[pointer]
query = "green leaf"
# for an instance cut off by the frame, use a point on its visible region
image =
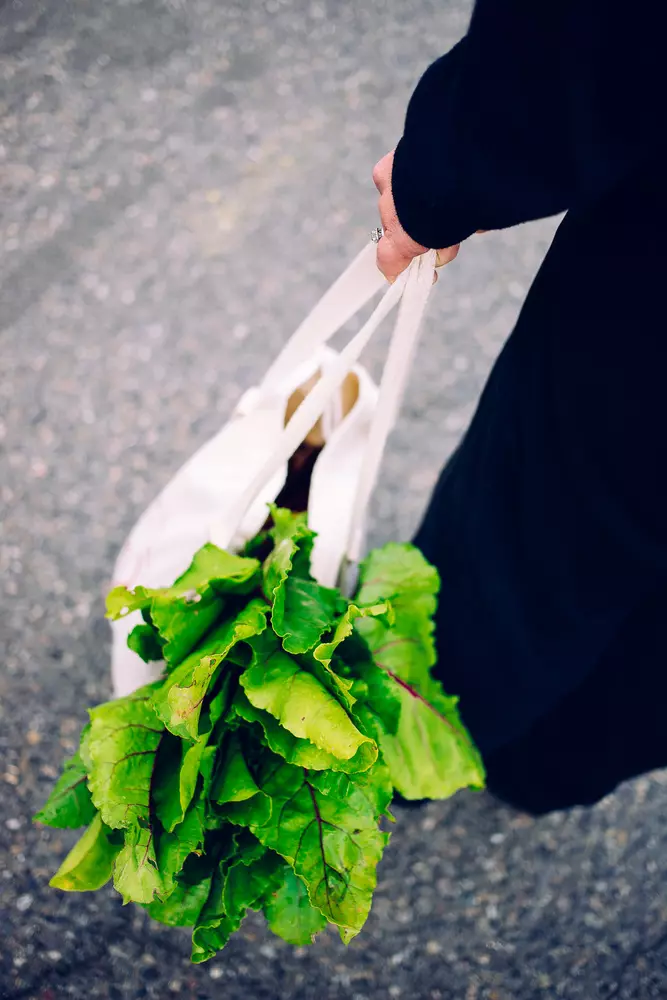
(166, 781)
(213, 927)
(289, 912)
(69, 805)
(179, 700)
(302, 609)
(192, 901)
(200, 758)
(122, 744)
(184, 612)
(83, 747)
(136, 875)
(179, 764)
(238, 885)
(431, 755)
(144, 640)
(379, 699)
(250, 875)
(293, 750)
(400, 574)
(234, 782)
(276, 683)
(325, 652)
(187, 838)
(325, 825)
(89, 864)
(183, 905)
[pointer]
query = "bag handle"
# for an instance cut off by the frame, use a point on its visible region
(358, 283)
(418, 277)
(311, 408)
(392, 388)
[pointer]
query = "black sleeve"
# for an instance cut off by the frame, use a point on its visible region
(542, 107)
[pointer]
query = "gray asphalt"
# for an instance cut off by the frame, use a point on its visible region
(180, 179)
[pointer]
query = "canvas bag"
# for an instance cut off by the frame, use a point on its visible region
(220, 495)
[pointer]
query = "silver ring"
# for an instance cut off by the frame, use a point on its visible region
(377, 234)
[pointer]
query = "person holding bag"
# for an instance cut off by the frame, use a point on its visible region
(548, 524)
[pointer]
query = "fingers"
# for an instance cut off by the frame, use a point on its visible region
(382, 172)
(393, 259)
(390, 259)
(396, 249)
(447, 255)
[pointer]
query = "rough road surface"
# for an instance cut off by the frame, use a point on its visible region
(179, 181)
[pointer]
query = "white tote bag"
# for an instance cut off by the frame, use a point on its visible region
(220, 495)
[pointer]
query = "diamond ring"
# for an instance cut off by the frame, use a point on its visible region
(377, 234)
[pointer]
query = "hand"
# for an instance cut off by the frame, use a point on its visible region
(396, 249)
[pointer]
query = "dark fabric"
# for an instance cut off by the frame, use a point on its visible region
(542, 107)
(608, 729)
(549, 524)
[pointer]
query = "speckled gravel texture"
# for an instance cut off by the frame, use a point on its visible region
(179, 182)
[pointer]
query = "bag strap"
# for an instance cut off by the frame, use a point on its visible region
(358, 283)
(418, 279)
(392, 387)
(312, 406)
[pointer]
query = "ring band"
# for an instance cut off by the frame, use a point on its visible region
(377, 234)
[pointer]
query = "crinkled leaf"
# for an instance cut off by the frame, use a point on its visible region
(122, 745)
(136, 874)
(183, 905)
(325, 825)
(184, 612)
(289, 912)
(290, 748)
(69, 805)
(276, 683)
(238, 885)
(89, 865)
(302, 609)
(344, 628)
(213, 927)
(181, 697)
(250, 874)
(247, 813)
(174, 847)
(144, 640)
(323, 654)
(196, 886)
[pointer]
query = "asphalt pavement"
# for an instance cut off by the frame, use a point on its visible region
(179, 181)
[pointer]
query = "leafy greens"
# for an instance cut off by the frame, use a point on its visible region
(256, 772)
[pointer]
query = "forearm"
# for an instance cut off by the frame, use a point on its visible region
(539, 109)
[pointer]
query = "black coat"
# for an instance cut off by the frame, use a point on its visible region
(549, 524)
